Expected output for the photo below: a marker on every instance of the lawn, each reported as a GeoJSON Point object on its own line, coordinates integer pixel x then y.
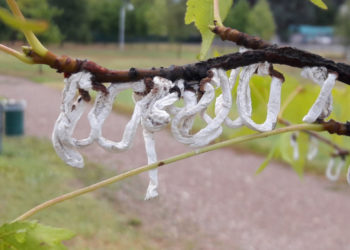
{"type": "Point", "coordinates": [34, 174]}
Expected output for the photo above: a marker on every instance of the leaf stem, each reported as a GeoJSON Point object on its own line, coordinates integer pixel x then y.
{"type": "Point", "coordinates": [16, 54]}
{"type": "Point", "coordinates": [93, 187]}
{"type": "Point", "coordinates": [31, 38]}
{"type": "Point", "coordinates": [217, 17]}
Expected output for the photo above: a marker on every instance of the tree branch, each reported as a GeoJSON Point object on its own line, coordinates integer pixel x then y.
{"type": "Point", "coordinates": [194, 73]}
{"type": "Point", "coordinates": [197, 71]}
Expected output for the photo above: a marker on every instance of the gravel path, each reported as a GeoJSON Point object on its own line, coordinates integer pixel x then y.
{"type": "Point", "coordinates": [212, 201]}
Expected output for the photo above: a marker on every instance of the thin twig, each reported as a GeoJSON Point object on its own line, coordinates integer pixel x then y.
{"type": "Point", "coordinates": [71, 195]}
{"type": "Point", "coordinates": [341, 151]}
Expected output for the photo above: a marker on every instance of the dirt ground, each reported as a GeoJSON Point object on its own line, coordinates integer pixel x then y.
{"type": "Point", "coordinates": [212, 201]}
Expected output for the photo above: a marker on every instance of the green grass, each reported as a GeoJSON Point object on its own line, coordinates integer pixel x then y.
{"type": "Point", "coordinates": [31, 172]}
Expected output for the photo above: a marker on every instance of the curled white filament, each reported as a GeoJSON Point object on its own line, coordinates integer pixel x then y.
{"type": "Point", "coordinates": [319, 75]}
{"type": "Point", "coordinates": [154, 116]}
{"type": "Point", "coordinates": [322, 102]}
{"type": "Point", "coordinates": [100, 111]}
{"type": "Point", "coordinates": [190, 99]}
{"type": "Point", "coordinates": [273, 105]}
{"type": "Point", "coordinates": [330, 169]}
{"type": "Point", "coordinates": [313, 148]}
{"type": "Point", "coordinates": [214, 129]}
{"type": "Point", "coordinates": [62, 140]}
{"type": "Point", "coordinates": [187, 113]}
{"type": "Point", "coordinates": [228, 122]}
{"type": "Point", "coordinates": [151, 158]}
{"type": "Point", "coordinates": [130, 129]}
{"type": "Point", "coordinates": [295, 146]}
{"type": "Point", "coordinates": [71, 112]}
{"type": "Point", "coordinates": [244, 102]}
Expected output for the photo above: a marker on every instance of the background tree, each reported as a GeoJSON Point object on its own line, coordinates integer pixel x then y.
{"type": "Point", "coordinates": [6, 33]}
{"type": "Point", "coordinates": [156, 18]}
{"type": "Point", "coordinates": [285, 14]}
{"type": "Point", "coordinates": [177, 30]}
{"type": "Point", "coordinates": [343, 25]}
{"type": "Point", "coordinates": [237, 17]}
{"type": "Point", "coordinates": [74, 19]}
{"type": "Point", "coordinates": [260, 21]}
{"type": "Point", "coordinates": [40, 9]}
{"type": "Point", "coordinates": [104, 20]}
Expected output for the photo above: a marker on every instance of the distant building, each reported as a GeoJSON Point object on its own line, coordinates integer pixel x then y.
{"type": "Point", "coordinates": [311, 34]}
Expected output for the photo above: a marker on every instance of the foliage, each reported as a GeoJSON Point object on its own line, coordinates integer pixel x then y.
{"type": "Point", "coordinates": [177, 29]}
{"type": "Point", "coordinates": [73, 20]}
{"type": "Point", "coordinates": [320, 4]}
{"type": "Point", "coordinates": [200, 12]}
{"type": "Point", "coordinates": [285, 12]}
{"type": "Point", "coordinates": [156, 18]}
{"type": "Point", "coordinates": [35, 9]}
{"type": "Point", "coordinates": [343, 23]}
{"type": "Point", "coordinates": [15, 23]}
{"type": "Point", "coordinates": [238, 15]}
{"type": "Point", "coordinates": [98, 20]}
{"type": "Point", "coordinates": [32, 236]}
{"type": "Point", "coordinates": [40, 9]}
{"type": "Point", "coordinates": [260, 21]}
{"type": "Point", "coordinates": [103, 19]}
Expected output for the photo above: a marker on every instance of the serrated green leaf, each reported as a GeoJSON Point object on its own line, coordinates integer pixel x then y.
{"type": "Point", "coordinates": [201, 13]}
{"type": "Point", "coordinates": [31, 235]}
{"type": "Point", "coordinates": [320, 4]}
{"type": "Point", "coordinates": [23, 25]}
{"type": "Point", "coordinates": [267, 160]}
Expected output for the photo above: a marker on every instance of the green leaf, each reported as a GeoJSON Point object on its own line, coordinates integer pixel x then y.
{"type": "Point", "coordinates": [267, 160]}
{"type": "Point", "coordinates": [200, 12]}
{"type": "Point", "coordinates": [31, 235]}
{"type": "Point", "coordinates": [23, 25]}
{"type": "Point", "coordinates": [320, 4]}
{"type": "Point", "coordinates": [287, 152]}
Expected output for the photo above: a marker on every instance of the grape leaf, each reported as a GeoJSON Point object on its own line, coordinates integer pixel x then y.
{"type": "Point", "coordinates": [31, 235]}
{"type": "Point", "coordinates": [24, 25]}
{"type": "Point", "coordinates": [287, 151]}
{"type": "Point", "coordinates": [200, 12]}
{"type": "Point", "coordinates": [320, 4]}
{"type": "Point", "coordinates": [272, 153]}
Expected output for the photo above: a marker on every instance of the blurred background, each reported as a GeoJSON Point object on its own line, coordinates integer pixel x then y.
{"type": "Point", "coordinates": [99, 21]}
{"type": "Point", "coordinates": [205, 208]}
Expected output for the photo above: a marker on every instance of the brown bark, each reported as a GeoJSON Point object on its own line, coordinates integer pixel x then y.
{"type": "Point", "coordinates": [194, 73]}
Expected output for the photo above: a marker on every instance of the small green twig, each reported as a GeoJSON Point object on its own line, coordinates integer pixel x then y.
{"type": "Point", "coordinates": [16, 54]}
{"type": "Point", "coordinates": [76, 193]}
{"type": "Point", "coordinates": [217, 17]}
{"type": "Point", "coordinates": [340, 151]}
{"type": "Point", "coordinates": [31, 38]}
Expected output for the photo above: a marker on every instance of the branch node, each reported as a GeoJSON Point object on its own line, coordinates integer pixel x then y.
{"type": "Point", "coordinates": [334, 127]}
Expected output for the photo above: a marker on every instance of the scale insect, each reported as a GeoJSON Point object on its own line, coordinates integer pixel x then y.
{"type": "Point", "coordinates": [156, 108]}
